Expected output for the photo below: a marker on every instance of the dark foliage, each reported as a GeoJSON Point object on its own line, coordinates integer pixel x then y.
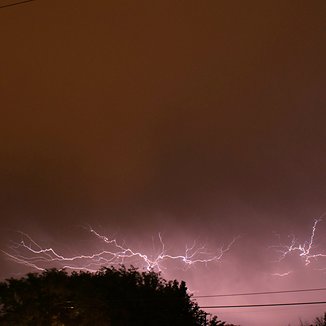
{"type": "Point", "coordinates": [117, 297]}
{"type": "Point", "coordinates": [319, 321]}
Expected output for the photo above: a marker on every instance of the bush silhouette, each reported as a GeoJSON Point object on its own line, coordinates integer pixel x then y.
{"type": "Point", "coordinates": [111, 296]}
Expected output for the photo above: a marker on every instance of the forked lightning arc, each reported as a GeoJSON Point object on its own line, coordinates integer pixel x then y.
{"type": "Point", "coordinates": [30, 253]}
{"type": "Point", "coordinates": [306, 250]}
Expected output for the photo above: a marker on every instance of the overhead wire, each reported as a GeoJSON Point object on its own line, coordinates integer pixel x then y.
{"type": "Point", "coordinates": [15, 4]}
{"type": "Point", "coordinates": [258, 293]}
{"type": "Point", "coordinates": [264, 305]}
{"type": "Point", "coordinates": [278, 304]}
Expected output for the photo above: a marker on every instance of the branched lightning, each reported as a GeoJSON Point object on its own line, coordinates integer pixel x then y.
{"type": "Point", "coordinates": [31, 254]}
{"type": "Point", "coordinates": [305, 250]}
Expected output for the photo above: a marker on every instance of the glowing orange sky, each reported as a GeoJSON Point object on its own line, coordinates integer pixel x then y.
{"type": "Point", "coordinates": [198, 119]}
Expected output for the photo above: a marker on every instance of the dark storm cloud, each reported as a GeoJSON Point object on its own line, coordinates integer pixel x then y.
{"type": "Point", "coordinates": [174, 104]}
{"type": "Point", "coordinates": [208, 118]}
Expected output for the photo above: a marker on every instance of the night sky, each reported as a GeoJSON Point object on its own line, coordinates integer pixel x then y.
{"type": "Point", "coordinates": [200, 120]}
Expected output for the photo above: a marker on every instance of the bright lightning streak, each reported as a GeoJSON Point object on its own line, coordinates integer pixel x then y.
{"type": "Point", "coordinates": [29, 253]}
{"type": "Point", "coordinates": [282, 274]}
{"type": "Point", "coordinates": [305, 250]}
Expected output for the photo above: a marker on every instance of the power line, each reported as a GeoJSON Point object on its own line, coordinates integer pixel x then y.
{"type": "Point", "coordinates": [258, 293]}
{"type": "Point", "coordinates": [266, 305]}
{"type": "Point", "coordinates": [15, 3]}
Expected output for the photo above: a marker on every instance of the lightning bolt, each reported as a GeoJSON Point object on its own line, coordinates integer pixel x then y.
{"type": "Point", "coordinates": [31, 254]}
{"type": "Point", "coordinates": [305, 250]}
{"type": "Point", "coordinates": [282, 274]}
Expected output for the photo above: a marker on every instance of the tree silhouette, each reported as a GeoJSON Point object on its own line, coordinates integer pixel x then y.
{"type": "Point", "coordinates": [320, 321]}
{"type": "Point", "coordinates": [117, 297]}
